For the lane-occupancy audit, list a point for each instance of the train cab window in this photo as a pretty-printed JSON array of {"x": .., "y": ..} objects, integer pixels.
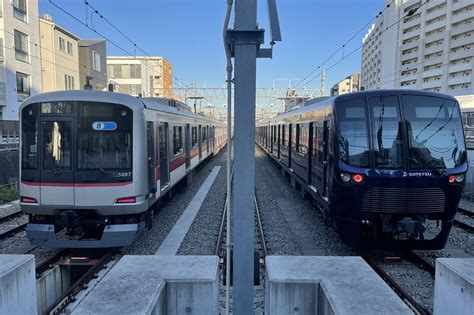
[
  {"x": 104, "y": 148},
  {"x": 194, "y": 137},
  {"x": 177, "y": 140},
  {"x": 353, "y": 138},
  {"x": 57, "y": 108},
  {"x": 434, "y": 130},
  {"x": 387, "y": 137},
  {"x": 57, "y": 141},
  {"x": 29, "y": 141}
]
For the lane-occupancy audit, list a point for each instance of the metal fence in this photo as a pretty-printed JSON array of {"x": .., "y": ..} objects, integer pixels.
[
  {"x": 9, "y": 166},
  {"x": 9, "y": 132}
]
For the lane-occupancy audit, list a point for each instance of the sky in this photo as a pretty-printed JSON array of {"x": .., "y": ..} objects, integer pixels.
[{"x": 188, "y": 33}]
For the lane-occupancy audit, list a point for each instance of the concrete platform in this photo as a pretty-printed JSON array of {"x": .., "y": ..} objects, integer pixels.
[
  {"x": 17, "y": 284},
  {"x": 454, "y": 286},
  {"x": 327, "y": 285},
  {"x": 156, "y": 285},
  {"x": 173, "y": 240}
]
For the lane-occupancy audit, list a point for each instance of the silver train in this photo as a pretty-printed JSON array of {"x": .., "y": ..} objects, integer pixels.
[{"x": 94, "y": 163}]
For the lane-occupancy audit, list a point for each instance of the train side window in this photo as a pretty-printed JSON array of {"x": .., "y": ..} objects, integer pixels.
[
  {"x": 303, "y": 138},
  {"x": 194, "y": 137},
  {"x": 29, "y": 152},
  {"x": 177, "y": 140},
  {"x": 297, "y": 138},
  {"x": 204, "y": 134},
  {"x": 283, "y": 136}
]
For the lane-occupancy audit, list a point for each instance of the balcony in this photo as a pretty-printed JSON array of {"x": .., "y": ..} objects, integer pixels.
[
  {"x": 460, "y": 80},
  {"x": 460, "y": 5},
  {"x": 434, "y": 37},
  {"x": 462, "y": 29},
  {"x": 431, "y": 84},
  {"x": 412, "y": 44},
  {"x": 461, "y": 16},
  {"x": 434, "y": 14},
  {"x": 409, "y": 77},
  {"x": 411, "y": 55},
  {"x": 434, "y": 3},
  {"x": 411, "y": 23},
  {"x": 432, "y": 73},
  {"x": 462, "y": 41},
  {"x": 433, "y": 61},
  {"x": 435, "y": 25},
  {"x": 434, "y": 49},
  {"x": 460, "y": 67},
  {"x": 461, "y": 54},
  {"x": 409, "y": 3}
]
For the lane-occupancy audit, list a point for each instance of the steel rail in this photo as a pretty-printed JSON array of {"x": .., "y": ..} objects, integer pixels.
[
  {"x": 466, "y": 212},
  {"x": 402, "y": 293},
  {"x": 421, "y": 261},
  {"x": 463, "y": 225},
  {"x": 223, "y": 222},
  {"x": 260, "y": 227},
  {"x": 14, "y": 230}
]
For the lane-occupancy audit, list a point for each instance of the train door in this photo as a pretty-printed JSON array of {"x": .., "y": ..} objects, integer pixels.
[
  {"x": 150, "y": 136},
  {"x": 310, "y": 154},
  {"x": 200, "y": 142},
  {"x": 187, "y": 146},
  {"x": 57, "y": 160},
  {"x": 272, "y": 138},
  {"x": 325, "y": 157},
  {"x": 164, "y": 156}
]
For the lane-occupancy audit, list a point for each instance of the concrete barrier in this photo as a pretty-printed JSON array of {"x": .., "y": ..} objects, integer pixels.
[
  {"x": 454, "y": 286},
  {"x": 156, "y": 285},
  {"x": 327, "y": 285},
  {"x": 17, "y": 284}
]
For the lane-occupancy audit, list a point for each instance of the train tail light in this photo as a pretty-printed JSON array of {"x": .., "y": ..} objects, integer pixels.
[
  {"x": 127, "y": 200},
  {"x": 358, "y": 178},
  {"x": 28, "y": 200},
  {"x": 451, "y": 179}
]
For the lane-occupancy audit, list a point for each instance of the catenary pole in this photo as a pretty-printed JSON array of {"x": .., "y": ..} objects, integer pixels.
[{"x": 245, "y": 61}]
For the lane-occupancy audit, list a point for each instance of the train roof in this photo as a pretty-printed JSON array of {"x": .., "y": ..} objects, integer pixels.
[
  {"x": 134, "y": 103},
  {"x": 317, "y": 103}
]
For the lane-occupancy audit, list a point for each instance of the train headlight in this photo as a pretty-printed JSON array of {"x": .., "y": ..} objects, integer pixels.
[
  {"x": 345, "y": 177},
  {"x": 459, "y": 178}
]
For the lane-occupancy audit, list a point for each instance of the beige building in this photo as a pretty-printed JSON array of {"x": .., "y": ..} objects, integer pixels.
[
  {"x": 348, "y": 85},
  {"x": 93, "y": 63},
  {"x": 145, "y": 76},
  {"x": 20, "y": 70},
  {"x": 60, "y": 57}
]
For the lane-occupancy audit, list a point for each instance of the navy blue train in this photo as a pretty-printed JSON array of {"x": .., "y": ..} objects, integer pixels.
[{"x": 382, "y": 164}]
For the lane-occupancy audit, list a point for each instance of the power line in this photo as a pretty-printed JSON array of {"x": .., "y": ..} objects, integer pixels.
[
  {"x": 303, "y": 82},
  {"x": 409, "y": 13},
  {"x": 101, "y": 35}
]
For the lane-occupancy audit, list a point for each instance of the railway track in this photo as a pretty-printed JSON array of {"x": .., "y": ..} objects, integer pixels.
[
  {"x": 9, "y": 225},
  {"x": 82, "y": 266},
  {"x": 468, "y": 215},
  {"x": 382, "y": 269}
]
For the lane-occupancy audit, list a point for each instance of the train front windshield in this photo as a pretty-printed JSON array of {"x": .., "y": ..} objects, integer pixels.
[
  {"x": 423, "y": 132},
  {"x": 87, "y": 138}
]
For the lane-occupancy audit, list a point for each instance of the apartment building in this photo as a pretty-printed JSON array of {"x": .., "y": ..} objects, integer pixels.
[
  {"x": 145, "y": 76},
  {"x": 20, "y": 67},
  {"x": 347, "y": 85},
  {"x": 60, "y": 57},
  {"x": 93, "y": 63},
  {"x": 433, "y": 48}
]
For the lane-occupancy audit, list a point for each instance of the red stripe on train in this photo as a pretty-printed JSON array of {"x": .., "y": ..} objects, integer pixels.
[
  {"x": 177, "y": 162},
  {"x": 77, "y": 185}
]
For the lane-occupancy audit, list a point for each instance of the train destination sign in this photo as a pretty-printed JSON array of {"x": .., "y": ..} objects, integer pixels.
[{"x": 104, "y": 125}]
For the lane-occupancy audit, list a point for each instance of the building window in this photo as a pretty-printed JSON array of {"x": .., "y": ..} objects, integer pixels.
[
  {"x": 22, "y": 86},
  {"x": 2, "y": 53},
  {"x": 68, "y": 82},
  {"x": 62, "y": 44},
  {"x": 19, "y": 10},
  {"x": 21, "y": 46},
  {"x": 135, "y": 72},
  {"x": 177, "y": 140},
  {"x": 95, "y": 60},
  {"x": 69, "y": 48},
  {"x": 117, "y": 71}
]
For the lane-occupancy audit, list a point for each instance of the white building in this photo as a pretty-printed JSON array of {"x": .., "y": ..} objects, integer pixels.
[
  {"x": 432, "y": 49},
  {"x": 20, "y": 66},
  {"x": 349, "y": 84}
]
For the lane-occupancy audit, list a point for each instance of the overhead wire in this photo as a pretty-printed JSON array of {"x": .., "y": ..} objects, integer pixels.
[
  {"x": 303, "y": 82},
  {"x": 409, "y": 13}
]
